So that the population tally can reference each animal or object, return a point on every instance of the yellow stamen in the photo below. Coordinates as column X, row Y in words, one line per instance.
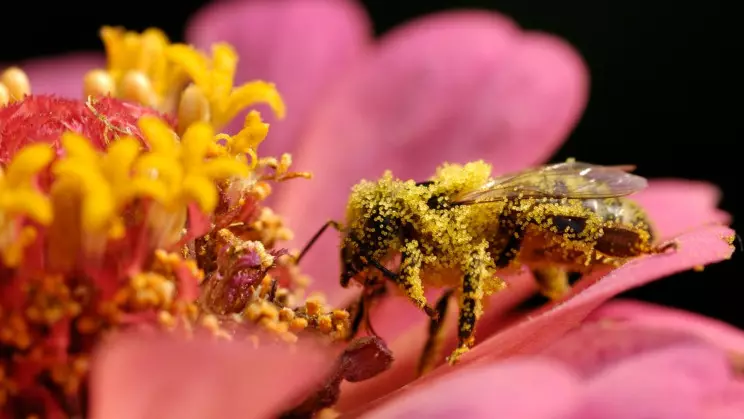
column 139, row 69
column 21, row 198
column 103, row 180
column 215, row 79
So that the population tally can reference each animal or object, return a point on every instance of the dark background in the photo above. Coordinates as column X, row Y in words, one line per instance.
column 661, row 97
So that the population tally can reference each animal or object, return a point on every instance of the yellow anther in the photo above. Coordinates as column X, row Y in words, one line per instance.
column 98, row 83
column 4, row 95
column 193, row 107
column 17, row 83
column 215, row 78
column 135, row 86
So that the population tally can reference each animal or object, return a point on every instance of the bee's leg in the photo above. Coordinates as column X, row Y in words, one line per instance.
column 508, row 227
column 553, row 281
column 623, row 242
column 373, row 291
column 470, row 306
column 359, row 311
column 330, row 223
column 433, row 346
column 408, row 278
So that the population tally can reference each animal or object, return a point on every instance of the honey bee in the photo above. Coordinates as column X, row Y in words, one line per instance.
column 461, row 227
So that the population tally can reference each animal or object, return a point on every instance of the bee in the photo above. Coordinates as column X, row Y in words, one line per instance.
column 462, row 226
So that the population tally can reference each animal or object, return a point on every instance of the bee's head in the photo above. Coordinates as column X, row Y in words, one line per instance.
column 372, row 232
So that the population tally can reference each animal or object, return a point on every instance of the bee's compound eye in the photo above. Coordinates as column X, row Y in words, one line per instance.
column 566, row 224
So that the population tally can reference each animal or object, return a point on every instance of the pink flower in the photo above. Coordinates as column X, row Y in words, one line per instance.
column 454, row 86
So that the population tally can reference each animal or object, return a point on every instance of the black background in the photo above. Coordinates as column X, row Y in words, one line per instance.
column 665, row 91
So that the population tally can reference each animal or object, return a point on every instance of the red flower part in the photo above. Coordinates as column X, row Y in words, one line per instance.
column 44, row 118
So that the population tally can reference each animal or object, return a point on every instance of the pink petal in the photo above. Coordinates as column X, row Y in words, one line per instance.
column 528, row 389
column 531, row 332
column 301, row 45
column 694, row 203
column 455, row 87
column 666, row 384
column 727, row 404
column 701, row 247
column 158, row 377
column 652, row 316
column 61, row 75
column 593, row 347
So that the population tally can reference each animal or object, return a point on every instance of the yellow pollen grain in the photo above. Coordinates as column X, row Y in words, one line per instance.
column 325, row 324
column 298, row 324
column 340, row 315
column 313, row 307
column 286, row 314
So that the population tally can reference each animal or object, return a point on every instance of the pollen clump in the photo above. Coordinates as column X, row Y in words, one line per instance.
column 139, row 213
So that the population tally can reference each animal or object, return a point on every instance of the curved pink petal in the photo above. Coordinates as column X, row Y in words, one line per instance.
column 450, row 87
column 694, row 203
column 160, row 377
column 653, row 316
column 700, row 247
column 530, row 389
column 594, row 346
column 61, row 75
column 301, row 45
column 668, row 384
column 531, row 332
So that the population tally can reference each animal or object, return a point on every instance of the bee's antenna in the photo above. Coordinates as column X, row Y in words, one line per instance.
column 739, row 241
column 330, row 223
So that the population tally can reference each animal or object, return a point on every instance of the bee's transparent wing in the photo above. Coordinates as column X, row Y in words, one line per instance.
column 572, row 179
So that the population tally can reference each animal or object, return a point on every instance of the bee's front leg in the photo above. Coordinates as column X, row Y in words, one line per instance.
column 470, row 306
column 373, row 291
column 408, row 278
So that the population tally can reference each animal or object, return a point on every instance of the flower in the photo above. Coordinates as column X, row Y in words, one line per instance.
column 117, row 218
column 354, row 108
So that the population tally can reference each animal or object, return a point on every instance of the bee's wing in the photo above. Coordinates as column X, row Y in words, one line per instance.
column 575, row 180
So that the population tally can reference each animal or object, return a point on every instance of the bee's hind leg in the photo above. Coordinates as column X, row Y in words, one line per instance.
column 434, row 340
column 553, row 281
